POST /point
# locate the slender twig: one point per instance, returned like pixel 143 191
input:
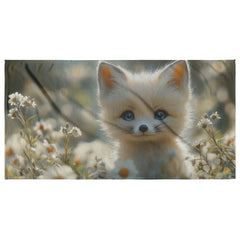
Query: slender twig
pixel 50 100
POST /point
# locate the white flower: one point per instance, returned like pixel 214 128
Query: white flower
pixel 13 113
pixel 59 172
pixel 18 99
pixel 215 116
pixel 75 132
pixel 63 130
pixel 229 138
pixel 204 123
pixel 123 169
pixel 42 127
pixel 16 144
pixel 50 149
pixel 98 171
pixel 15 98
pixel 86 152
pixel 28 102
pixel 19 161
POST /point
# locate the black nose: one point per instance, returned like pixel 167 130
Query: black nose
pixel 143 128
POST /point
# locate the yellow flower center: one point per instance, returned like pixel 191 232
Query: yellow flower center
pixel 59 177
pixel 77 161
pixel 124 172
pixel 15 162
pixel 9 152
pixel 50 149
pixel 229 141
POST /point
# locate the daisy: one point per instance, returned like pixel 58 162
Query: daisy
pixel 42 127
pixel 204 123
pixel 50 149
pixel 215 116
pixel 124 169
pixel 75 132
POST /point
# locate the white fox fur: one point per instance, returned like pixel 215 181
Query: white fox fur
pixel 156 150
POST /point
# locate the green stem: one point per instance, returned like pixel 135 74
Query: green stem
pixel 66 148
pixel 21 114
pixel 33 116
pixel 26 113
pixel 211 135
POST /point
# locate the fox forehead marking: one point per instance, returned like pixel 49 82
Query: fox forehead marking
pixel 107 77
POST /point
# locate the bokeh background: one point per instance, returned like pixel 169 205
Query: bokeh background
pixel 72 85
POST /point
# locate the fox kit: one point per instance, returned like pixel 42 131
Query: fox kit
pixel 145 113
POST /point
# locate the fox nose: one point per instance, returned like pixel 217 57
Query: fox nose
pixel 143 128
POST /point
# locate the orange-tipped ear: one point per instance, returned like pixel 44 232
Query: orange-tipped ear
pixel 176 74
pixel 109 76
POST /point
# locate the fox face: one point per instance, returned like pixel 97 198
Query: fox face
pixel 144 106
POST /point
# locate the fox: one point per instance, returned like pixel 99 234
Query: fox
pixel 145 114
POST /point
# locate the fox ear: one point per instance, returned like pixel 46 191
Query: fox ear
pixel 109 76
pixel 176 75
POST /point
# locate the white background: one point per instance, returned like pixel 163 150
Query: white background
pixel 107 29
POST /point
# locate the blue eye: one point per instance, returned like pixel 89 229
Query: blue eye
pixel 127 116
pixel 160 114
